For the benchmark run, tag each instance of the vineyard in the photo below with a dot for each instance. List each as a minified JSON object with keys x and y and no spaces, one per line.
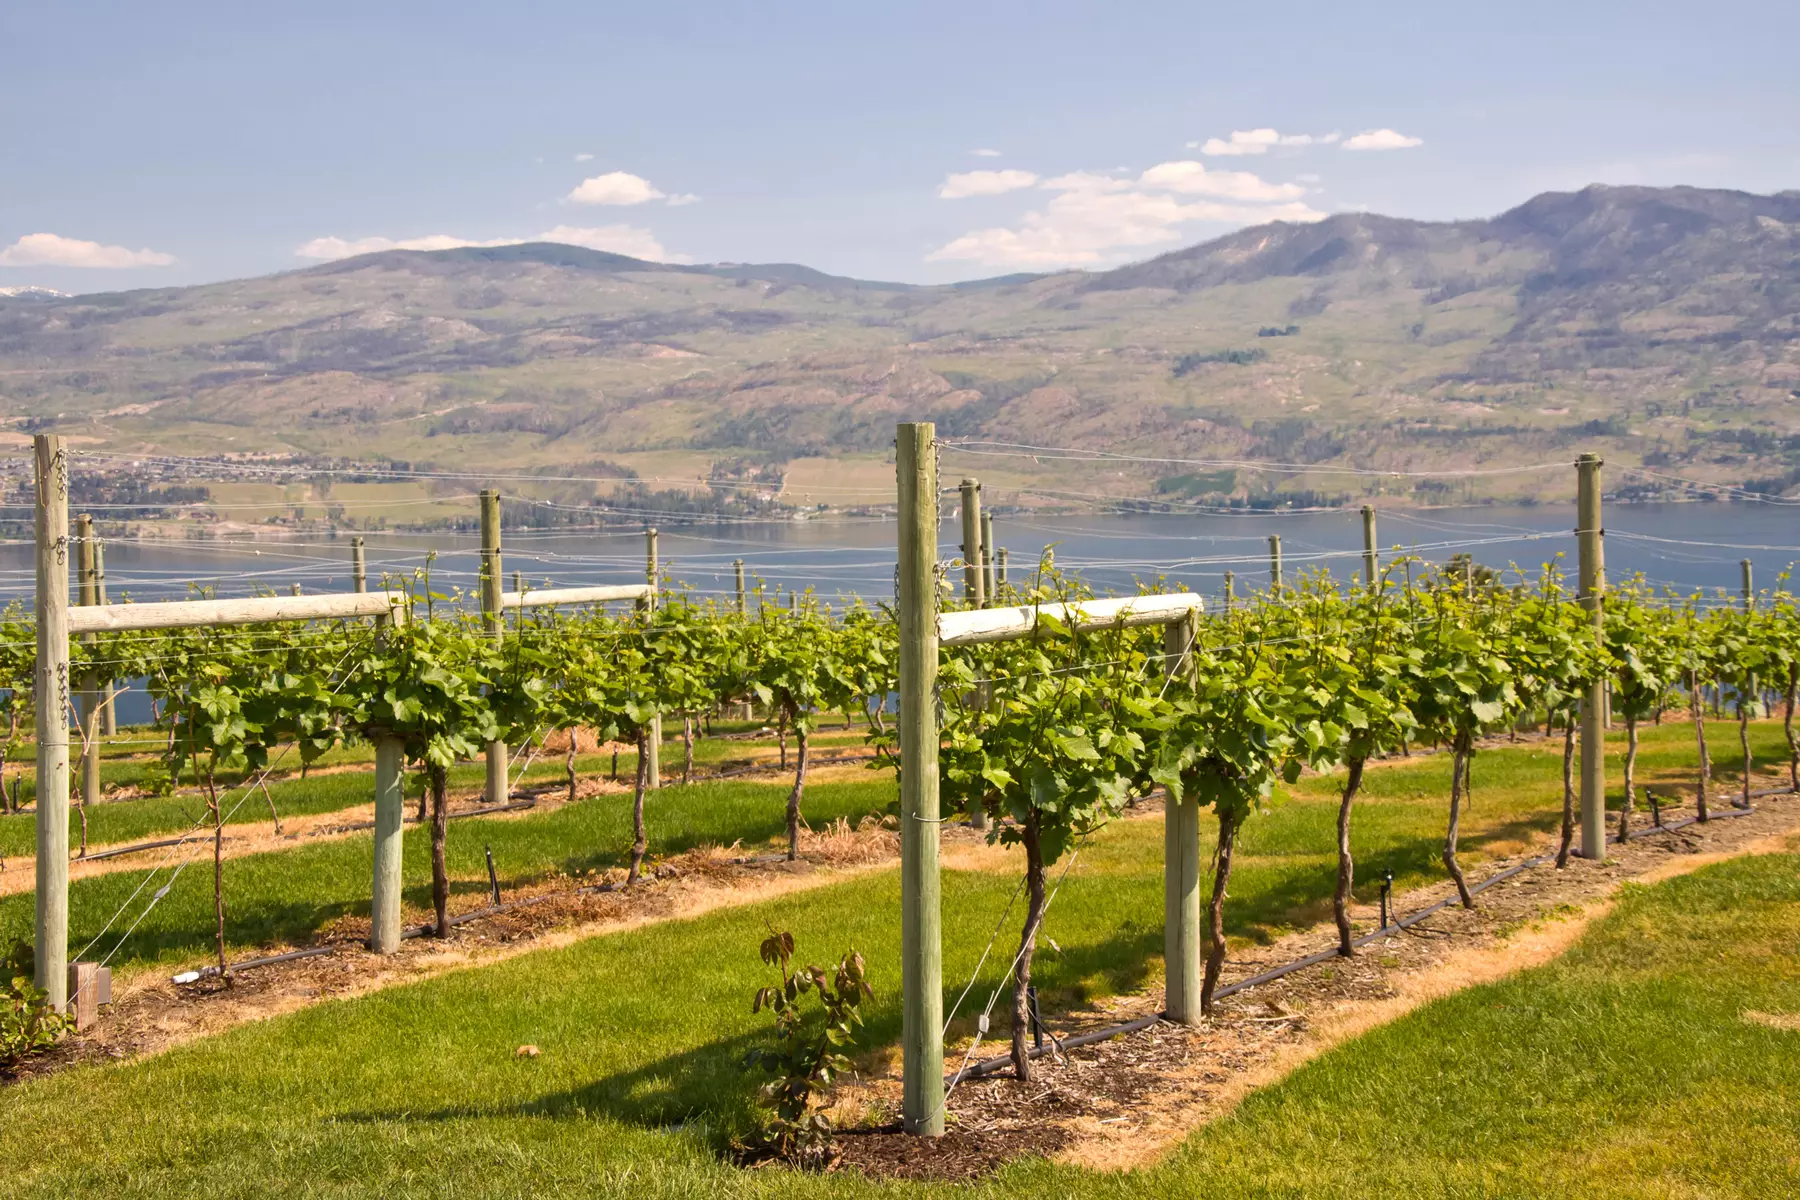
{"x":1317,"y":746}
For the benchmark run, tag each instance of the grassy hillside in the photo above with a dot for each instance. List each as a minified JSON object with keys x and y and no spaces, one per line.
{"x":1655,"y":325}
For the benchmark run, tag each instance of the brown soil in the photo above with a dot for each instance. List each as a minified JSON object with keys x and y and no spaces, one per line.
{"x":1123,"y":1103}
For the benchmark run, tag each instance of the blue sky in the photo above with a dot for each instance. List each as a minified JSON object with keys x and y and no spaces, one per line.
{"x":154,"y":144}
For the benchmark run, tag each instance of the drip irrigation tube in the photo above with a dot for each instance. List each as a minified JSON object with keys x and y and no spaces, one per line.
{"x":140,"y":847}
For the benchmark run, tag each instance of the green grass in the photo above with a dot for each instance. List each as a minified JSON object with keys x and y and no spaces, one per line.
{"x":282,"y":897}
{"x":1623,"y":1070}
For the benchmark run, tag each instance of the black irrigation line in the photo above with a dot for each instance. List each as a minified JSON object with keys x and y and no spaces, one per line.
{"x":97,"y":855}
{"x":991,"y":1066}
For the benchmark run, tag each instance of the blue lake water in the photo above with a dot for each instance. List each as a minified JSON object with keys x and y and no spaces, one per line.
{"x":1683,"y":546}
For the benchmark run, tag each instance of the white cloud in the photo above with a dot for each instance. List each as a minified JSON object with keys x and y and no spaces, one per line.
{"x":1257,"y":141}
{"x":1382,"y":139}
{"x":1094,"y":217}
{"x":54,"y":250}
{"x":984,"y":183}
{"x":584,"y":158}
{"x":682,"y":199}
{"x":614,"y":187}
{"x":616,"y":239}
{"x":1307,"y":178}
{"x":985,"y":153}
{"x":1193,"y":179}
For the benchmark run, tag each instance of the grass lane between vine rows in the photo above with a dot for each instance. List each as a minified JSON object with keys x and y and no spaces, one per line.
{"x":1653,"y":1060}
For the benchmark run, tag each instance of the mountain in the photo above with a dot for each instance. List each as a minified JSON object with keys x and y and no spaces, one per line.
{"x":1657,"y":326}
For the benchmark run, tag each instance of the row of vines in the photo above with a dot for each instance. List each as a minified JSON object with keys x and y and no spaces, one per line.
{"x":1048,"y":737}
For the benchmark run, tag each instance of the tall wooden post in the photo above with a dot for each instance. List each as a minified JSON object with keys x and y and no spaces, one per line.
{"x":1593,"y":711}
{"x":89,"y":697}
{"x":1275,"y":564}
{"x":1230,"y":591}
{"x":974,"y":593}
{"x":1368,"y":516}
{"x":999,"y":571}
{"x":1181,"y":866}
{"x":359,"y":567}
{"x":921,"y":948}
{"x":988,"y":590}
{"x":109,"y":717}
{"x":51,"y":929}
{"x":390,"y":812}
{"x":653,"y":738}
{"x":1749,"y":587}
{"x":493,"y":621}
{"x":737,"y":569}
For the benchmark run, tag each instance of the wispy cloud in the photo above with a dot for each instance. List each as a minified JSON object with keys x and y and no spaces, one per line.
{"x":630,"y":240}
{"x":54,"y":250}
{"x":584,"y":157}
{"x":983,"y":183}
{"x":1095,"y":218}
{"x":1193,"y":179}
{"x":1258,"y":141}
{"x":682,"y":199}
{"x":984,"y":152}
{"x":1382,"y":139}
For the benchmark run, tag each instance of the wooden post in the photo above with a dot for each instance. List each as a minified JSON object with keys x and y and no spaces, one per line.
{"x":973,"y":591}
{"x":1593,"y":711}
{"x":84,"y":994}
{"x":921,"y":948}
{"x":999,"y":571}
{"x":51,"y":928}
{"x":653,"y":740}
{"x":1368,"y":516}
{"x":1181,"y":866}
{"x":988,"y":590}
{"x":1275,"y":564}
{"x":109,"y":717}
{"x":498,"y":787}
{"x":737,"y":569}
{"x":89,"y":698}
{"x":1230,"y":591}
{"x":359,"y":567}
{"x":390,"y":811}
{"x":1749,"y":590}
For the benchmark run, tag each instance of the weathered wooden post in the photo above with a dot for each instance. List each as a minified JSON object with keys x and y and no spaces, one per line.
{"x":89,"y":698}
{"x":921,"y":949}
{"x":390,"y":813}
{"x":1230,"y":591}
{"x":988,"y":590}
{"x":1181,"y":864}
{"x":653,"y":736}
{"x":1368,"y":516}
{"x":359,"y":567}
{"x":737,"y":570}
{"x":1588,"y":532}
{"x":1749,"y":591}
{"x":51,"y":928}
{"x":974,"y":594}
{"x":1000,"y":571}
{"x":109,"y":717}
{"x":1275,"y":564}
{"x":493,"y":621}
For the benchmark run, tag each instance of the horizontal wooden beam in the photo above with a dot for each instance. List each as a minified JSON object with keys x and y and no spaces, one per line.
{"x":252,"y":610}
{"x":580,"y":595}
{"x":1004,"y":624}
